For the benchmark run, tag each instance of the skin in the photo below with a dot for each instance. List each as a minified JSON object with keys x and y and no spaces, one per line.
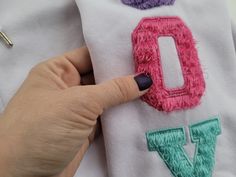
{"x":50,"y":122}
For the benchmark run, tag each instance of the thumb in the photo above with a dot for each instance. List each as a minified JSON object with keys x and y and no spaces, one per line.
{"x":121,"y":90}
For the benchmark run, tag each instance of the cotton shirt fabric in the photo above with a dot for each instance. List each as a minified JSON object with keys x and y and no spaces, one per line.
{"x":40,"y":30}
{"x":43,"y":29}
{"x":107,"y":27}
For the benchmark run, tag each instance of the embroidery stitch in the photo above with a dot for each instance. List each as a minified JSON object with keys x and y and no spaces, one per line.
{"x":204,"y":135}
{"x":147,"y":4}
{"x":147,"y":59}
{"x":169,"y":145}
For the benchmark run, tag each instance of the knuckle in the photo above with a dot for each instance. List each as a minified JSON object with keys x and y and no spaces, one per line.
{"x":37,"y":69}
{"x":86,"y":98}
{"x":94,"y":102}
{"x":122,"y":89}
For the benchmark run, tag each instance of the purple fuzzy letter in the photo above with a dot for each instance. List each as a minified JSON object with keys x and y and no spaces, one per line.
{"x":147,"y":4}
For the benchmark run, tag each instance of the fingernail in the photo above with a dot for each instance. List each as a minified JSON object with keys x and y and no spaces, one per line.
{"x":143,"y":81}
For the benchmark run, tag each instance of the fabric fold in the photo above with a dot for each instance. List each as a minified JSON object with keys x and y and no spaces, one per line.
{"x":234,"y":32}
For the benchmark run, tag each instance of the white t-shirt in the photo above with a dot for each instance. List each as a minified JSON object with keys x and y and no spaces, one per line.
{"x":42,"y":29}
{"x":188,"y":49}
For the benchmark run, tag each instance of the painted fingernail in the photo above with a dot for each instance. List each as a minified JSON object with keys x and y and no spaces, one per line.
{"x":143,"y":81}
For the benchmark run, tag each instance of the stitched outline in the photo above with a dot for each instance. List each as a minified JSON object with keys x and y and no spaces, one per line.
{"x":169,"y":145}
{"x":147,"y":4}
{"x":204,"y":136}
{"x":148,"y":59}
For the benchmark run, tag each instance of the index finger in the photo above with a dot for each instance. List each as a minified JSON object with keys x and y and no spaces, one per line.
{"x":81,"y":60}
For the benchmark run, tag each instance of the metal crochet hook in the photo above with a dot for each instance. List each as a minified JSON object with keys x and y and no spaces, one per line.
{"x":6,"y":39}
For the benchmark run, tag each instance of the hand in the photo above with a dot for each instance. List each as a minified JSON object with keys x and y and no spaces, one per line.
{"x":51,"y":120}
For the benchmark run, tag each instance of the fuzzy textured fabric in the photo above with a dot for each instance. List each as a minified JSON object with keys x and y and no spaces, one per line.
{"x":170,"y":146}
{"x":147,"y":4}
{"x":148,"y":59}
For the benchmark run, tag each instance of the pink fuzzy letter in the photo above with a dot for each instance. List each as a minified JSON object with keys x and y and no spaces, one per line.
{"x":147,"y":59}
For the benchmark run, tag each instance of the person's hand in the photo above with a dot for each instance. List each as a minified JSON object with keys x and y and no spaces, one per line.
{"x":51,"y":119}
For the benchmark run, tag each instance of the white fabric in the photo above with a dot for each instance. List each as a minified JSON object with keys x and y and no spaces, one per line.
{"x":234,"y":32}
{"x":94,"y":162}
{"x":39,"y":30}
{"x":232,"y":8}
{"x":107,"y":27}
{"x":172,"y":78}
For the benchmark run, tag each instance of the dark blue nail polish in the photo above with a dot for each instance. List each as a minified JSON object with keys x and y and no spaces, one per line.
{"x":143,"y":81}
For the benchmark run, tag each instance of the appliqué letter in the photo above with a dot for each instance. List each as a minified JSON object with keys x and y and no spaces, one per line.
{"x":147,"y":58}
{"x":169,"y":145}
{"x":147,"y":4}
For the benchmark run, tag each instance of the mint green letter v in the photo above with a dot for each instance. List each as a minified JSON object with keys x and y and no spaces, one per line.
{"x":169,"y":145}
